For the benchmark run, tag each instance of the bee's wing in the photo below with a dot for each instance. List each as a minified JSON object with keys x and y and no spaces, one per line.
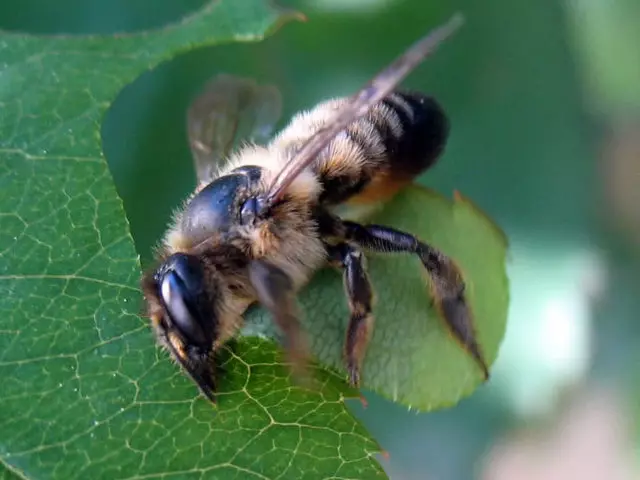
{"x":229,"y":108}
{"x":360,"y":103}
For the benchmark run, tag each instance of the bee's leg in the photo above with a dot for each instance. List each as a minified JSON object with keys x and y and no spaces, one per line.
{"x":275,"y":292}
{"x":360,"y":297}
{"x":446,"y":280}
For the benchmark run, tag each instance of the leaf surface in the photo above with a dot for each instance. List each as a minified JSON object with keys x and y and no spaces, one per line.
{"x":87,"y":394}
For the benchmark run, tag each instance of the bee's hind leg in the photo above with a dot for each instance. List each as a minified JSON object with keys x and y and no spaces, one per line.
{"x":275,"y":292}
{"x":446,"y":280}
{"x":360,"y":298}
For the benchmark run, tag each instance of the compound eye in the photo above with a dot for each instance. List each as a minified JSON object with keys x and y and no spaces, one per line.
{"x":180,"y":296}
{"x":173,"y":295}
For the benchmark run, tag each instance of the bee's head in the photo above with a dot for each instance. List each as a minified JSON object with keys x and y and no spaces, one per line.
{"x":182,"y":304}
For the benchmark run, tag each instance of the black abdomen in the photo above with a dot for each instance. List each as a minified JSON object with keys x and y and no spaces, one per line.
{"x":399,"y":138}
{"x":425,"y":129}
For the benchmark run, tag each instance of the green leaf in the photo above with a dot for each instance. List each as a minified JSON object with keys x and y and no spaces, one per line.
{"x":411,"y":357}
{"x":85,"y":392}
{"x":6,"y":474}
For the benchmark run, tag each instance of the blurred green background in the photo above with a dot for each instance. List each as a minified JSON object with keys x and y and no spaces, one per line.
{"x":544,"y":99}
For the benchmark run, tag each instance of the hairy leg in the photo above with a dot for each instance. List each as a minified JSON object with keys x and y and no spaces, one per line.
{"x":360,"y":297}
{"x":275,"y":292}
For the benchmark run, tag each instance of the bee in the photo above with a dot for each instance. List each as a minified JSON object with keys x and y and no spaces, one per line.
{"x":263,"y":219}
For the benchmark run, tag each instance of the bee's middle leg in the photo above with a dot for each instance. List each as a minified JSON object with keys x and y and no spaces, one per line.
{"x":360,"y":298}
{"x":275,"y":292}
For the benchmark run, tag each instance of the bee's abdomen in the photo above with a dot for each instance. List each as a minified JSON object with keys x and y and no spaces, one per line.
{"x":422,"y":135}
{"x":400,"y":138}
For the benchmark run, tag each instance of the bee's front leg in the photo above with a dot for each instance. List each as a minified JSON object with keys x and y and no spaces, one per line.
{"x":275,"y":292}
{"x":360,"y":298}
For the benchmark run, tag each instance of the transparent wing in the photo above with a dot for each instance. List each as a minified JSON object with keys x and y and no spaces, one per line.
{"x":360,"y":103}
{"x":228,"y":109}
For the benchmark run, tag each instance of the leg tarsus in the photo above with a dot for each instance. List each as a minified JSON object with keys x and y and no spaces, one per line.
{"x":455,"y":312}
{"x":358,"y":335}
